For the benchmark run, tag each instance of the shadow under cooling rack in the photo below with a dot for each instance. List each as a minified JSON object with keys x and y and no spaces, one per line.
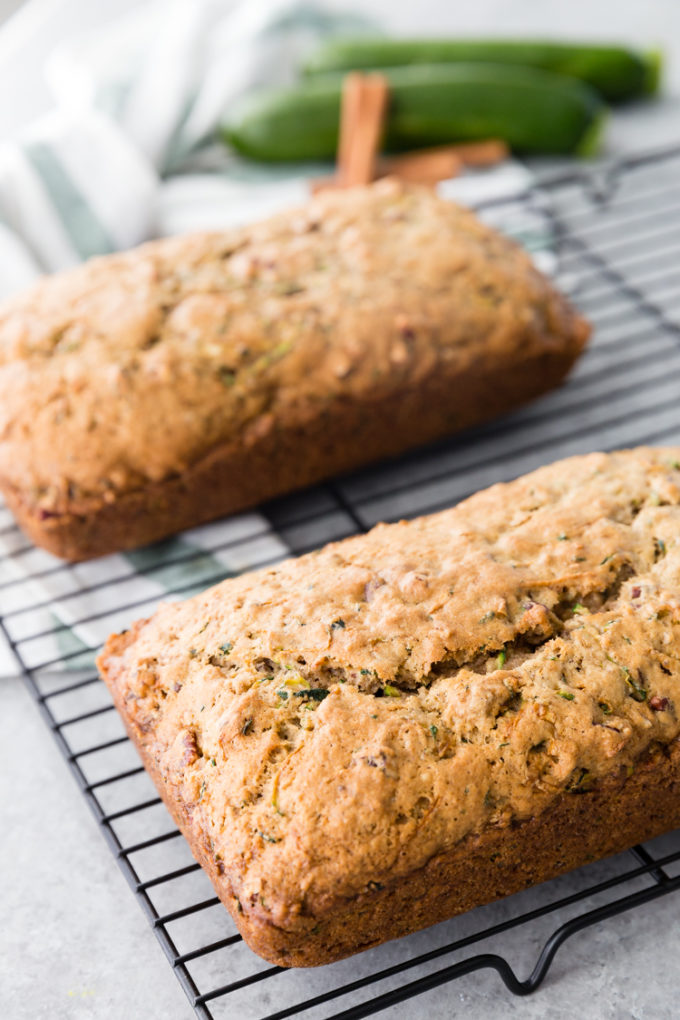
{"x":611,"y":239}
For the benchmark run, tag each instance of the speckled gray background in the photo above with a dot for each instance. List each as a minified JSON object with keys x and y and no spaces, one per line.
{"x":73,"y":942}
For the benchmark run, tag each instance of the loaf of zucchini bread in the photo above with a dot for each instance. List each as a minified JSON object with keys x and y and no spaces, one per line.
{"x":146,"y":392}
{"x":406,"y":724}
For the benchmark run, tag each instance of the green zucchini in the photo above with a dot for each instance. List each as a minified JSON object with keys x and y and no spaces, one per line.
{"x":617,"y":73}
{"x":533,"y":111}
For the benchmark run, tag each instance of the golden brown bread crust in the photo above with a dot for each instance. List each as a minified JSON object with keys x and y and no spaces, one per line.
{"x":622,"y":811}
{"x":149,"y":391}
{"x":240,"y":474}
{"x":409,"y":723}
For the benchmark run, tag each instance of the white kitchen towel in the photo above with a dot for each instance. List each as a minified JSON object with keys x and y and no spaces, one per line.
{"x":57,"y":615}
{"x":130,"y":151}
{"x":137,"y":103}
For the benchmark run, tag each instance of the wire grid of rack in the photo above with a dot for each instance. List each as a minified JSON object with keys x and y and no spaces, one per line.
{"x":613,"y":236}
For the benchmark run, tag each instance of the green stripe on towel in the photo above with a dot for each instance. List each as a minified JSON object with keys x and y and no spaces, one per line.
{"x":86,"y":233}
{"x":196,"y":568}
{"x":69,"y":647}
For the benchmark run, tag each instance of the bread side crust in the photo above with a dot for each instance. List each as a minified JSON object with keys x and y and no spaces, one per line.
{"x":576,"y":829}
{"x":292,"y":455}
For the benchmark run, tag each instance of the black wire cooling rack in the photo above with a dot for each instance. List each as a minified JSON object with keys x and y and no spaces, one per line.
{"x":611,"y":237}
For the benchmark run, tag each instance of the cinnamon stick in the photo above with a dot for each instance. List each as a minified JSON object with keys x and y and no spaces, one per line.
{"x":442,"y":161}
{"x":426,"y":167}
{"x":486,"y":153}
{"x":364,"y":102}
